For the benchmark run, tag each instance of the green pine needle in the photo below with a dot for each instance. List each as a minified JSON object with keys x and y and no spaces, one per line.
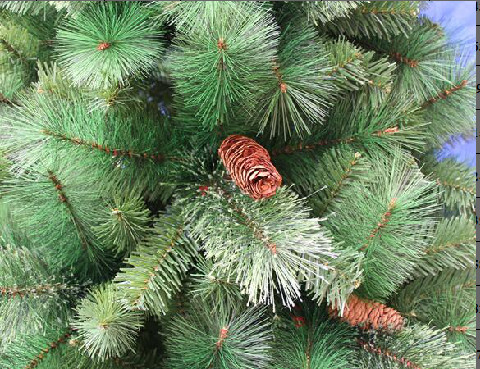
{"x":105,"y":324}
{"x":106,"y":43}
{"x":234,"y":339}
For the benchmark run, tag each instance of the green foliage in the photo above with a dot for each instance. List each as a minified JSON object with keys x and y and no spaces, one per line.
{"x":24,"y":7}
{"x":326,"y":11}
{"x":453,"y":246}
{"x":343,"y":277}
{"x":31,"y":297}
{"x":30,"y":350}
{"x":132,"y":38}
{"x":418,"y":344}
{"x":57,"y":207}
{"x":455,"y":183}
{"x":105,"y":324}
{"x":359,"y":121}
{"x":422,"y":57}
{"x":234,"y":339}
{"x":218,"y":288}
{"x":220,"y":69}
{"x":321,"y":175}
{"x":307,"y":339}
{"x":154,"y":271}
{"x":396,"y":203}
{"x":355,"y":68}
{"x":12,"y":79}
{"x":266,"y":244}
{"x":382,"y":19}
{"x":444,"y":301}
{"x":126,"y":223}
{"x":189,"y":16}
{"x":100,"y":133}
{"x":122,"y":150}
{"x":297,"y":95}
{"x":450,"y":109}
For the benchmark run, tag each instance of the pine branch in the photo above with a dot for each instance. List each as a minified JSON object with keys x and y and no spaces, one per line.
{"x":325,"y":11}
{"x":355,"y":69}
{"x":120,"y":149}
{"x":382,"y":19}
{"x":455,"y":183}
{"x":215,"y":287}
{"x":266,"y":244}
{"x":30,"y":351}
{"x":30,"y":295}
{"x":297,"y":96}
{"x":320,"y":176}
{"x":416,"y":347}
{"x":397,"y":204}
{"x":24,"y":7}
{"x":57,"y":207}
{"x":445,"y":301}
{"x":221,"y":70}
{"x":453,"y":246}
{"x":126,"y":223}
{"x":233,"y":339}
{"x":307,"y":340}
{"x":104,"y":44}
{"x":359,"y":121}
{"x":453,"y":100}
{"x":105,"y":324}
{"x":156,"y":268}
{"x":422,"y":57}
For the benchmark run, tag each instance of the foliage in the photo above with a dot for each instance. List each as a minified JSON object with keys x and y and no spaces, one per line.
{"x":131,"y":35}
{"x":297,"y":95}
{"x":105,"y":324}
{"x":444,"y":301}
{"x":124,"y":242}
{"x":234,"y":339}
{"x":307,"y":339}
{"x":155,"y":269}
{"x":220,"y":69}
{"x":396,"y":203}
{"x":266,"y":244}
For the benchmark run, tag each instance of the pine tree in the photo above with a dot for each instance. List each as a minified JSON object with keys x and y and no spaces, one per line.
{"x":233,"y":185}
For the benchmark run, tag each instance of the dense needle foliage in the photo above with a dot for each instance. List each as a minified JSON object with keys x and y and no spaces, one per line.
{"x":124,"y":240}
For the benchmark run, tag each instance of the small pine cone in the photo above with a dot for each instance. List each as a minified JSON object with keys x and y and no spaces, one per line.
{"x":369,"y":315}
{"x":250,"y":166}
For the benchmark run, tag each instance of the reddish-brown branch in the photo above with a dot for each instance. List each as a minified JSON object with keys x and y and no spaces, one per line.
{"x":9,"y":47}
{"x":386,"y":353}
{"x":383,"y":222}
{"x":105,"y":148}
{"x":5,"y":100}
{"x":445,"y":93}
{"x":35,"y":290}
{"x":52,"y":346}
{"x":282,"y":85}
{"x":160,"y":260}
{"x":301,"y":146}
{"x":460,"y":329}
{"x":62,"y":197}
{"x":402,"y":59}
{"x":103,"y":46}
{"x":222,"y":336}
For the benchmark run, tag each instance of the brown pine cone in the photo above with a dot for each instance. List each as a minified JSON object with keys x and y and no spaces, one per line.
{"x":250,"y":166}
{"x":369,"y":315}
